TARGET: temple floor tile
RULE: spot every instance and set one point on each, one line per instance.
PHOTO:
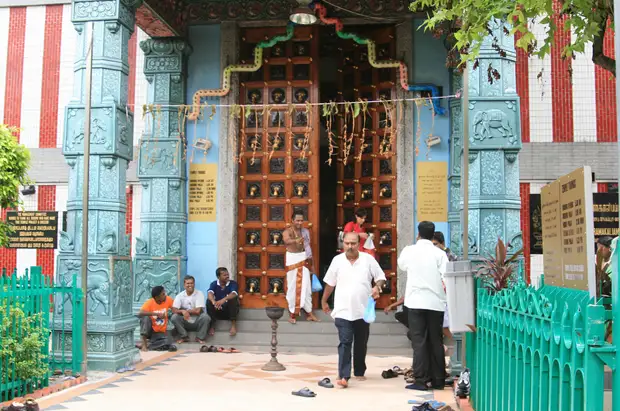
(236, 382)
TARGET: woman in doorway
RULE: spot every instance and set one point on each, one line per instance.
(357, 226)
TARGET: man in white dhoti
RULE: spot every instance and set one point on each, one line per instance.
(298, 259)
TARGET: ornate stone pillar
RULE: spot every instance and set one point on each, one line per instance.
(160, 256)
(494, 144)
(110, 319)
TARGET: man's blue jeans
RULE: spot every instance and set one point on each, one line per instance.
(352, 334)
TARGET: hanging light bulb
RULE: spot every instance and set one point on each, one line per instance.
(303, 14)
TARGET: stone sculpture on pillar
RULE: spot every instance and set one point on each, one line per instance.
(109, 294)
(161, 255)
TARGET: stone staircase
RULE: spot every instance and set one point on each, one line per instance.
(387, 336)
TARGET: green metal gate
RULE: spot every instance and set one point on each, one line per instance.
(26, 305)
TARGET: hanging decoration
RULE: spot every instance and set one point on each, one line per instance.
(372, 58)
(239, 68)
(290, 28)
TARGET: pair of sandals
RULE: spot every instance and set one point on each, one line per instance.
(393, 372)
(213, 348)
(432, 405)
(308, 393)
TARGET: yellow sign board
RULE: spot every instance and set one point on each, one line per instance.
(202, 192)
(432, 191)
(568, 231)
(552, 233)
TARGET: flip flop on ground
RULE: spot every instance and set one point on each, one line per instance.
(326, 383)
(210, 348)
(304, 392)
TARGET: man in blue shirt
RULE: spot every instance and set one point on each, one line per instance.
(223, 302)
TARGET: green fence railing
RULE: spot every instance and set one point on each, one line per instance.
(26, 303)
(538, 349)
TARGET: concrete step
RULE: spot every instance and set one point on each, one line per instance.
(259, 314)
(306, 339)
(308, 327)
(297, 349)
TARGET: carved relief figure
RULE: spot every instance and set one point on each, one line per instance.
(65, 278)
(487, 121)
(146, 278)
(98, 286)
(163, 156)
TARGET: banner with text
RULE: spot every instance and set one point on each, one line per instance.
(202, 192)
(606, 222)
(432, 191)
(33, 229)
(568, 231)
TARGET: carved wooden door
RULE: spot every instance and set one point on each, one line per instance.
(369, 181)
(279, 153)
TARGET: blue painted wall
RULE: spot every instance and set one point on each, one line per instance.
(429, 66)
(203, 72)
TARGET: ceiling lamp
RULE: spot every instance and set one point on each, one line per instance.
(303, 14)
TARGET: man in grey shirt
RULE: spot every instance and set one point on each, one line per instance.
(189, 312)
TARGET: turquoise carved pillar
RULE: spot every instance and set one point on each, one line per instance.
(494, 144)
(161, 248)
(110, 318)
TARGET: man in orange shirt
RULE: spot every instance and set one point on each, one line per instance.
(154, 321)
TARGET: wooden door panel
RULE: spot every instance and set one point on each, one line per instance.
(279, 168)
(369, 181)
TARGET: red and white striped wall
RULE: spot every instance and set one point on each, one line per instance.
(36, 84)
(580, 96)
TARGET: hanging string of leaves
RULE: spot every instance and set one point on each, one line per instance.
(328, 111)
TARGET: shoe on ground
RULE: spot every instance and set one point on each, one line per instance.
(463, 387)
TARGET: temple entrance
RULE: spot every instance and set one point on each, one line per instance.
(286, 150)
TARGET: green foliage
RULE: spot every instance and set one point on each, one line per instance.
(21, 345)
(497, 272)
(14, 164)
(467, 22)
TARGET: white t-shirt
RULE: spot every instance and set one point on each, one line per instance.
(188, 302)
(425, 265)
(353, 284)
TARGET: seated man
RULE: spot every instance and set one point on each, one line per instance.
(223, 303)
(154, 321)
(189, 312)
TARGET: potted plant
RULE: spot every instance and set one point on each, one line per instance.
(497, 272)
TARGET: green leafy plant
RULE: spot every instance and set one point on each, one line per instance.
(14, 165)
(21, 344)
(497, 272)
(465, 23)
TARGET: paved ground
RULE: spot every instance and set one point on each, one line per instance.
(235, 382)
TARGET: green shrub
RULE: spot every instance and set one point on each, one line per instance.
(14, 164)
(22, 338)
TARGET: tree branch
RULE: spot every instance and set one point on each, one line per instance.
(598, 56)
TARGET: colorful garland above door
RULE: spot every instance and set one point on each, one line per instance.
(290, 28)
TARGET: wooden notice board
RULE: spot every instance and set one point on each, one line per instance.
(432, 191)
(202, 192)
(568, 231)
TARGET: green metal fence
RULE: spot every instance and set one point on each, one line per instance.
(538, 349)
(26, 303)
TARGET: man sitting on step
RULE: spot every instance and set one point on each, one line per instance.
(223, 303)
(189, 312)
(154, 321)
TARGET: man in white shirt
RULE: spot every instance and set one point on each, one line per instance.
(189, 312)
(425, 300)
(353, 273)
